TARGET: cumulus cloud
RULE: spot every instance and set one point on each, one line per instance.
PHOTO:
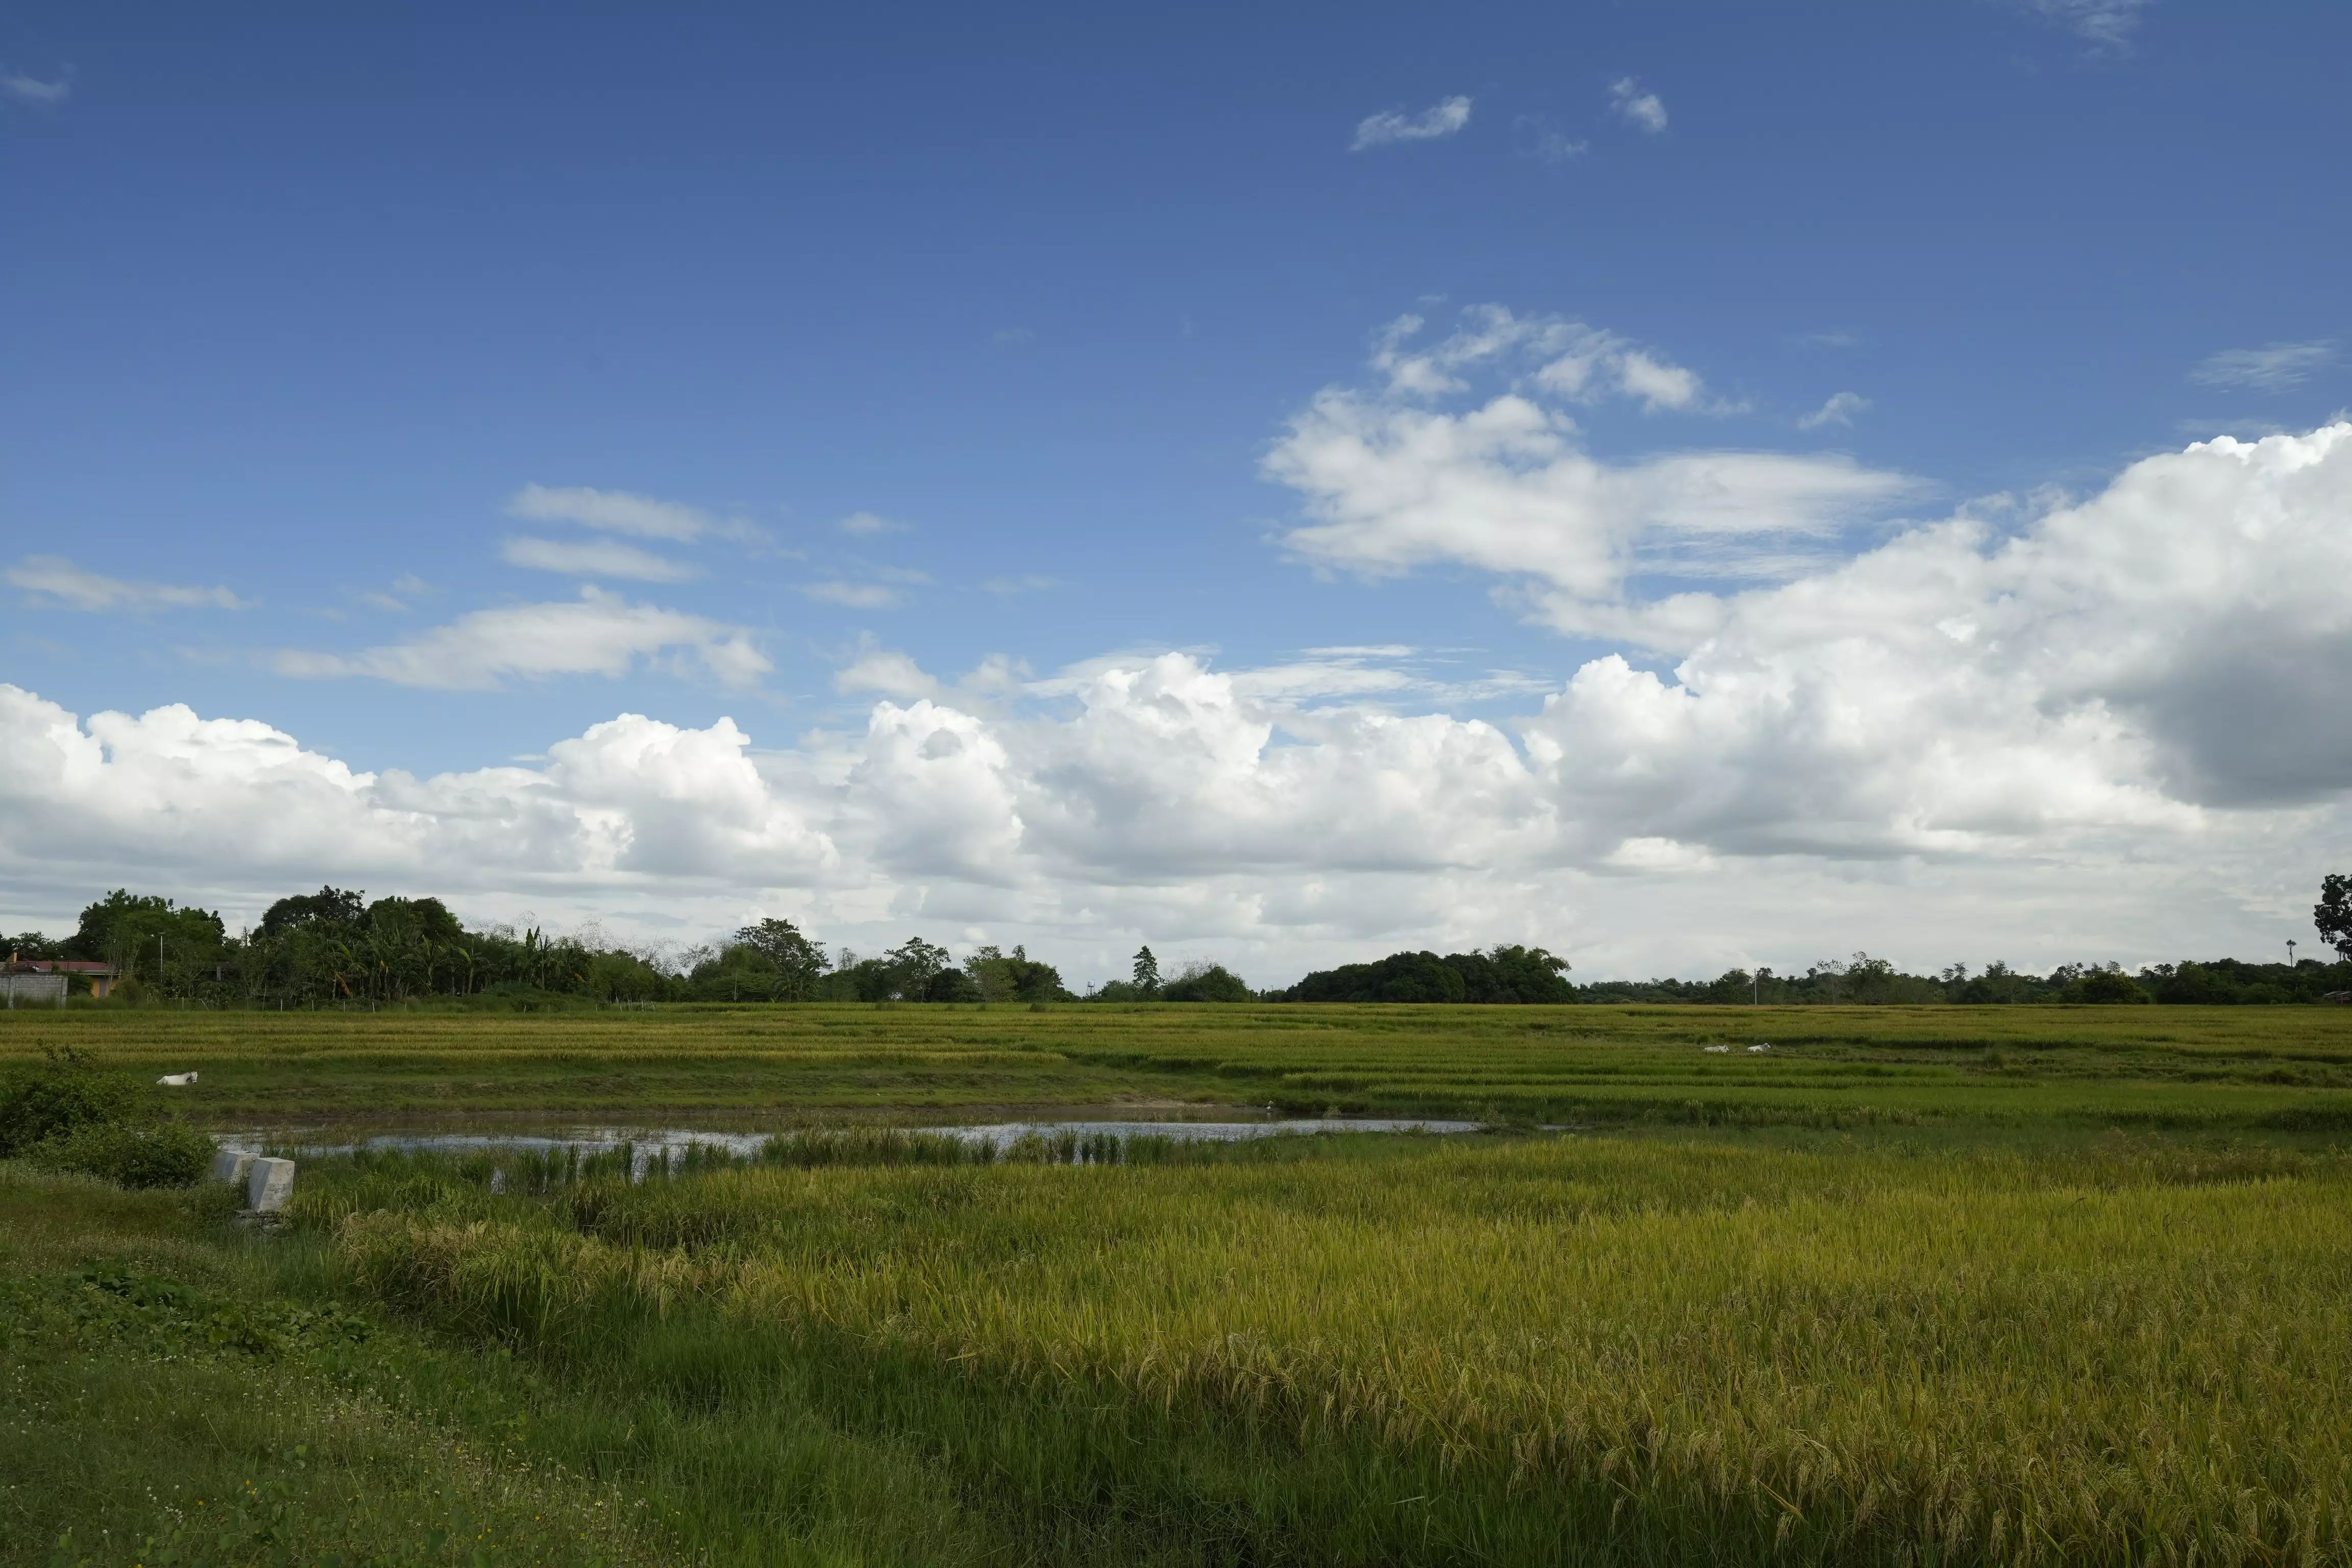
(600, 633)
(1391, 481)
(1440, 120)
(614, 511)
(2273, 368)
(867, 523)
(2116, 723)
(54, 580)
(1840, 409)
(594, 558)
(235, 803)
(1644, 110)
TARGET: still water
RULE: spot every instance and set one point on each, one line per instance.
(664, 1142)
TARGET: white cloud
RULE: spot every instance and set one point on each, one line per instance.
(2112, 732)
(598, 634)
(886, 674)
(2273, 368)
(595, 558)
(1645, 110)
(614, 511)
(237, 803)
(2109, 23)
(1560, 358)
(54, 578)
(856, 596)
(1027, 583)
(1390, 483)
(1440, 120)
(32, 90)
(867, 524)
(1840, 409)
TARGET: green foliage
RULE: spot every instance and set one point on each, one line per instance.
(68, 1115)
(2333, 914)
(33, 944)
(165, 1155)
(334, 908)
(2110, 984)
(1207, 983)
(150, 937)
(64, 1095)
(1506, 975)
(1018, 978)
(797, 963)
(1146, 981)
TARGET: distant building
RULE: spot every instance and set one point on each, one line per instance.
(50, 980)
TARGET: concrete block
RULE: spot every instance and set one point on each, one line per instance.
(270, 1185)
(232, 1165)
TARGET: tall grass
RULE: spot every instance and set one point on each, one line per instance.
(1539, 1352)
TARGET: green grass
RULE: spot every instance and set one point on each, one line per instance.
(2095, 1066)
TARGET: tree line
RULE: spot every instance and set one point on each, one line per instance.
(338, 948)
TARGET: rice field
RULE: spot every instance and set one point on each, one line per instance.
(1529, 1351)
(2281, 1067)
(1931, 1287)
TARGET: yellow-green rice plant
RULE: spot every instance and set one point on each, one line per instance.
(1867, 1356)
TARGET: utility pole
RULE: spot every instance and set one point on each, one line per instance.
(2290, 952)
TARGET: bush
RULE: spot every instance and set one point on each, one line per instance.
(169, 1154)
(1214, 983)
(51, 1101)
(2107, 985)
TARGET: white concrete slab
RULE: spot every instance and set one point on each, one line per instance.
(270, 1185)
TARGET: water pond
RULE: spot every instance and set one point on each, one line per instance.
(667, 1143)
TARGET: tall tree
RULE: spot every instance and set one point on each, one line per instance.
(1147, 972)
(2333, 914)
(799, 961)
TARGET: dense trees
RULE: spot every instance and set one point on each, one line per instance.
(338, 948)
(1505, 974)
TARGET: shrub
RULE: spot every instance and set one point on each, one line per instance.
(1211, 983)
(168, 1154)
(49, 1101)
(2107, 985)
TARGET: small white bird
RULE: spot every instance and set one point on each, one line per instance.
(176, 1080)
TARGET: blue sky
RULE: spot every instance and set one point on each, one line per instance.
(300, 303)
